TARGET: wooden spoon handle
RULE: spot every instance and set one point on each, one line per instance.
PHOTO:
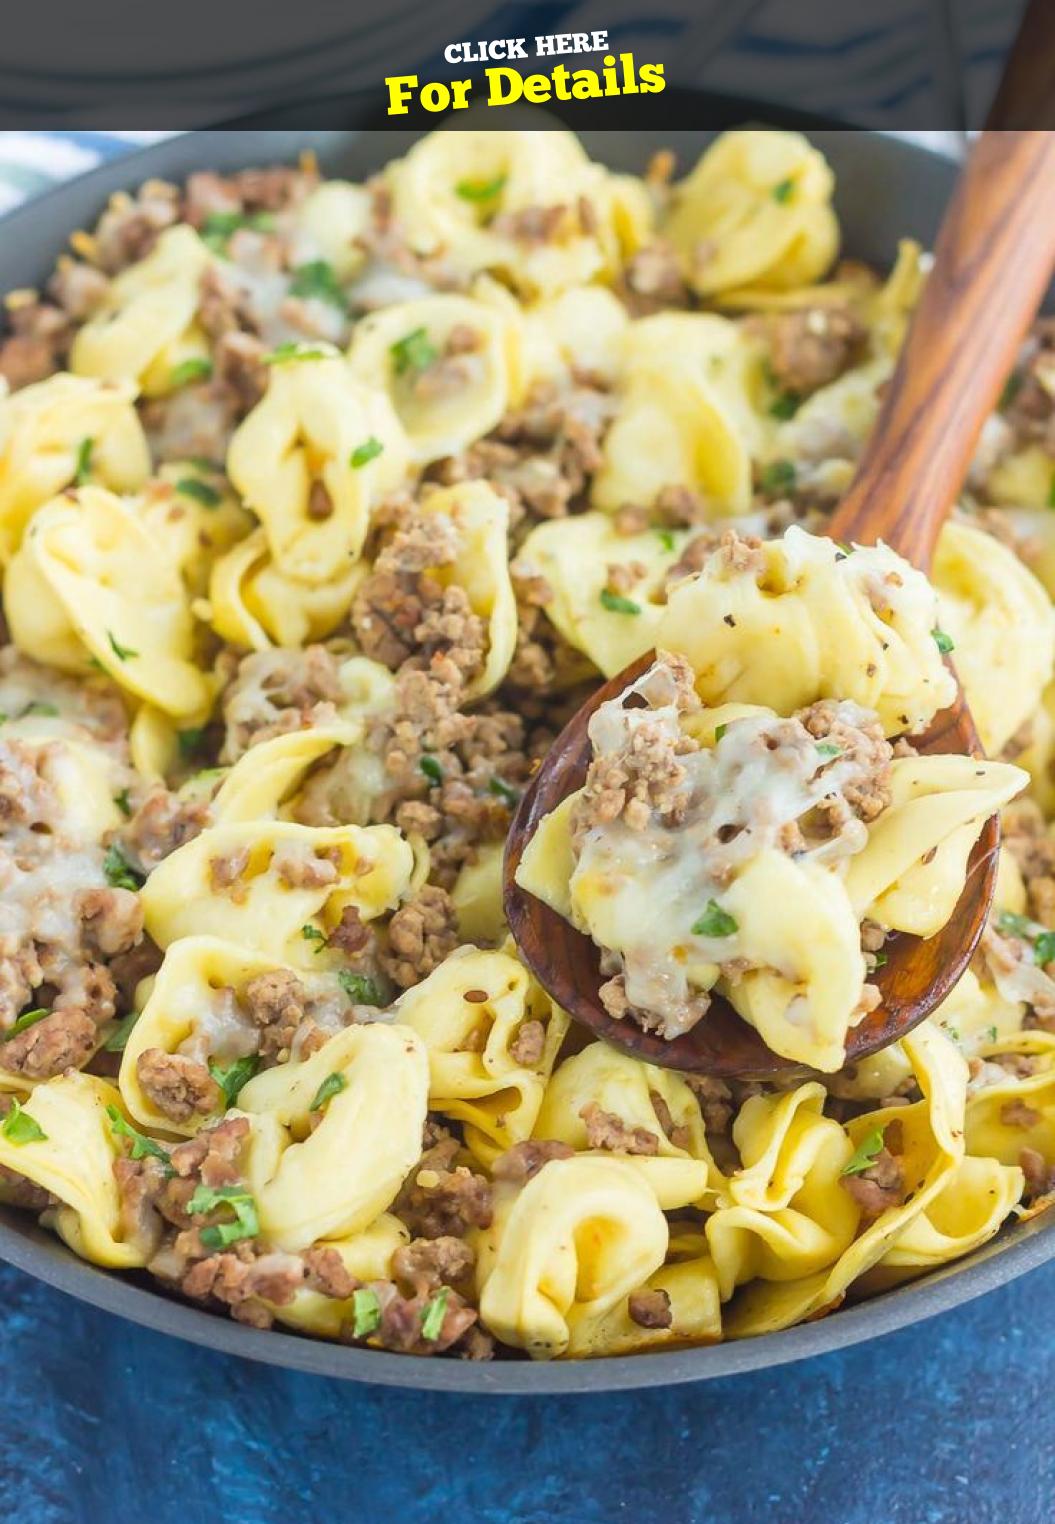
(992, 263)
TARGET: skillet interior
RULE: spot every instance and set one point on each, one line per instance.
(885, 189)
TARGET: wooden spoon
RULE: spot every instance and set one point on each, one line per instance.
(992, 262)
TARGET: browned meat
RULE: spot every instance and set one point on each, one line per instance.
(813, 346)
(650, 1309)
(437, 1201)
(606, 1130)
(178, 1086)
(420, 935)
(524, 1160)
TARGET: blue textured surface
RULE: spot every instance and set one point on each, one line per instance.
(948, 1423)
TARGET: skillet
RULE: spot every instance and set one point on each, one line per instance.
(886, 189)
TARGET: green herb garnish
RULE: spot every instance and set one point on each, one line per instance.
(28, 1019)
(502, 790)
(83, 468)
(124, 804)
(201, 492)
(332, 1085)
(431, 768)
(118, 1038)
(141, 1144)
(360, 988)
(219, 226)
(282, 354)
(123, 653)
(1044, 948)
(433, 1315)
(195, 368)
(778, 475)
(208, 1198)
(667, 538)
(47, 710)
(1014, 925)
(880, 958)
(231, 1079)
(1012, 386)
(990, 1033)
(415, 351)
(617, 604)
(944, 642)
(189, 741)
(715, 922)
(829, 749)
(719, 732)
(19, 1127)
(119, 871)
(785, 405)
(865, 1154)
(783, 190)
(313, 934)
(363, 454)
(318, 279)
(480, 190)
(366, 1312)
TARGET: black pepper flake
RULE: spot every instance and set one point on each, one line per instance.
(729, 620)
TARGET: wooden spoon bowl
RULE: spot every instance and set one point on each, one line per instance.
(992, 262)
(918, 974)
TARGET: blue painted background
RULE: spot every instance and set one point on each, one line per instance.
(950, 1423)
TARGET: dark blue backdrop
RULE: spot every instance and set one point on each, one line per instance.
(949, 1423)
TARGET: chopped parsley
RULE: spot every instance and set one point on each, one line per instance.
(19, 1127)
(778, 475)
(829, 749)
(219, 226)
(880, 959)
(480, 190)
(434, 1312)
(784, 405)
(208, 1198)
(82, 470)
(48, 710)
(195, 368)
(26, 1020)
(363, 454)
(332, 1085)
(124, 804)
(282, 354)
(189, 741)
(944, 642)
(123, 653)
(414, 351)
(141, 1144)
(118, 1038)
(990, 1033)
(360, 988)
(317, 279)
(1014, 925)
(366, 1312)
(201, 492)
(1012, 387)
(119, 871)
(313, 934)
(715, 922)
(667, 538)
(431, 768)
(615, 603)
(865, 1154)
(234, 1076)
(719, 732)
(502, 790)
(783, 191)
(1044, 948)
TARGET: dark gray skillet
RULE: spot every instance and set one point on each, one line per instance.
(886, 190)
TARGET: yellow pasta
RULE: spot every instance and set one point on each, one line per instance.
(755, 211)
(89, 585)
(59, 431)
